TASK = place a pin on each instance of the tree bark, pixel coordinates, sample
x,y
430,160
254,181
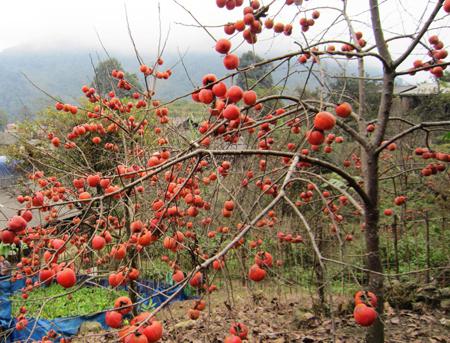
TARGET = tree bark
x,y
370,161
375,333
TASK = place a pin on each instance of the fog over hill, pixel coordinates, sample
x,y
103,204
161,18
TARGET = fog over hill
x,y
62,73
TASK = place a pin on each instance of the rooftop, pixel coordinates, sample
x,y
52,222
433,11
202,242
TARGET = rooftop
x,y
420,89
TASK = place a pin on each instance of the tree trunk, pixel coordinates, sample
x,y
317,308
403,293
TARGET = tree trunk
x,y
375,333
370,161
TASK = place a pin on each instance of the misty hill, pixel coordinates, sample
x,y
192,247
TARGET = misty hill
x,y
62,73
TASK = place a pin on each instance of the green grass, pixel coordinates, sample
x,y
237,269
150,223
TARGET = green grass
x,y
84,301
186,108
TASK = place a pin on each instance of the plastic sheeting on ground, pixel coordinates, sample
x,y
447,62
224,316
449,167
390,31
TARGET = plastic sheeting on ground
x,y
67,326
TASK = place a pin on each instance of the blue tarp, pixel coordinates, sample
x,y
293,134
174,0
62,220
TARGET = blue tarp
x,y
67,326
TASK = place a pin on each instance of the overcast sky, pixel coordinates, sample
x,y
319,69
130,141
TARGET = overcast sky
x,y
68,24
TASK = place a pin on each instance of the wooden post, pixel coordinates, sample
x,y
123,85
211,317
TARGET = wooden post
x,y
394,231
427,242
320,273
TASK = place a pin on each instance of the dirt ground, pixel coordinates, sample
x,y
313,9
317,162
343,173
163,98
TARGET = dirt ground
x,y
282,317
289,318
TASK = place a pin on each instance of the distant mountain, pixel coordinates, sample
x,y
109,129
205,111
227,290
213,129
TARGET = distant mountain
x,y
62,73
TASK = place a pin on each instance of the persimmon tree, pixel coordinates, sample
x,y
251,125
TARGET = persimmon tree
x,y
133,187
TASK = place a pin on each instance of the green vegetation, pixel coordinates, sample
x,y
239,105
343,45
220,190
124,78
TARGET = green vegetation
x,y
435,107
346,89
104,82
84,301
187,109
8,249
262,73
33,142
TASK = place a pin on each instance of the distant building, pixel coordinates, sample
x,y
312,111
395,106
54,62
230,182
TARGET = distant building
x,y
11,127
410,96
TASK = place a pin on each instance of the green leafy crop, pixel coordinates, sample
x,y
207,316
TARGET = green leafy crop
x,y
85,301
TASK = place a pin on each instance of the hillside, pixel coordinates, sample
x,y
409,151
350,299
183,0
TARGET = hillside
x,y
62,73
